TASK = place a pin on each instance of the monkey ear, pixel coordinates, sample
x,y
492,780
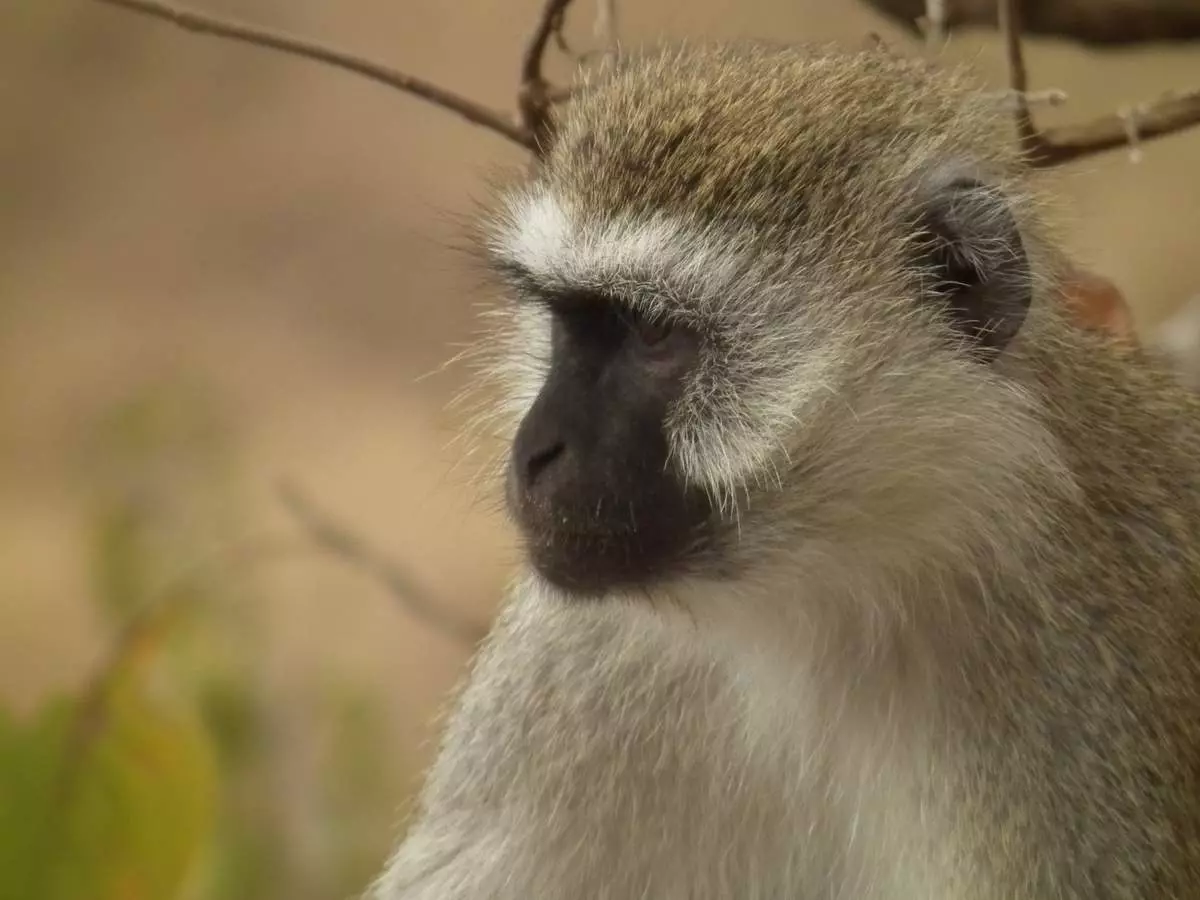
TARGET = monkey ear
x,y
975,261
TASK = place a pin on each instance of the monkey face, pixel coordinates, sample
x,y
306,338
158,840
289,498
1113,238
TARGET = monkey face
x,y
590,480
843,294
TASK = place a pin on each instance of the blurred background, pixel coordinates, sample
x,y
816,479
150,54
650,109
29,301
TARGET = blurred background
x,y
221,270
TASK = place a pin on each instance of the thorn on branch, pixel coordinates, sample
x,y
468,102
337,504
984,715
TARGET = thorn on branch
x,y
1047,97
1129,116
341,542
1010,100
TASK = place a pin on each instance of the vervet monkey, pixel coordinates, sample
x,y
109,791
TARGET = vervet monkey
x,y
856,568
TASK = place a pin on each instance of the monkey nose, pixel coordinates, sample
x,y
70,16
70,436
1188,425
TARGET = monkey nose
x,y
538,459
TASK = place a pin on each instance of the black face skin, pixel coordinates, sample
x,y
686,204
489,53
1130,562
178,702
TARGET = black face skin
x,y
590,483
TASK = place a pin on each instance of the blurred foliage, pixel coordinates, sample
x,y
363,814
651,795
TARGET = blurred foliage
x,y
161,779
360,763
106,796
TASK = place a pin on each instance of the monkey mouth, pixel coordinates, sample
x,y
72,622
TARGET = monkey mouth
x,y
589,558
591,563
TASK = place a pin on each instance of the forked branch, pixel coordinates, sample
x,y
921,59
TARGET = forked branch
x,y
1043,149
1168,115
202,23
537,97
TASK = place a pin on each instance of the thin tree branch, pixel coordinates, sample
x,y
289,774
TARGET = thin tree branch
x,y
202,23
1009,20
1053,147
535,98
549,23
341,542
1168,115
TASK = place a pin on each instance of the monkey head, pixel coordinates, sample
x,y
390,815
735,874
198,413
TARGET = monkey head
x,y
760,301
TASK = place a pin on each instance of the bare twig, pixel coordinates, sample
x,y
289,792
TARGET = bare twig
x,y
549,23
339,541
1048,97
535,98
202,23
1018,81
1168,115
1056,146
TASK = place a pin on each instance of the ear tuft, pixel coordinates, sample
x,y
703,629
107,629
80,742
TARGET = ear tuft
x,y
975,260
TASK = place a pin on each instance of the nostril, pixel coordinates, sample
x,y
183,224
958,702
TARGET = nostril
x,y
538,462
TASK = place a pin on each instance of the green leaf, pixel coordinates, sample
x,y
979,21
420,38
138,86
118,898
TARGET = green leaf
x,y
29,763
108,800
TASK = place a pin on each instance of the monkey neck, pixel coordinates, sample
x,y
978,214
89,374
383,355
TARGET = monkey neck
x,y
621,727
849,614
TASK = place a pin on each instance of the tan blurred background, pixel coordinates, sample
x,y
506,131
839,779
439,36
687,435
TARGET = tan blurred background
x,y
182,214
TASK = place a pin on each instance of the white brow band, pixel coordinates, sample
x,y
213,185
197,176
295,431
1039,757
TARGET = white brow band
x,y
646,257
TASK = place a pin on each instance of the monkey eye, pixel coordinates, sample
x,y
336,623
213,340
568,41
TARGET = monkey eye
x,y
650,332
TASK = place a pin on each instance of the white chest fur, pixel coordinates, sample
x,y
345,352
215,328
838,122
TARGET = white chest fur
x,y
613,752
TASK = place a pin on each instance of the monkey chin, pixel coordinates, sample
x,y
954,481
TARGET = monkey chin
x,y
590,550
592,565
588,559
